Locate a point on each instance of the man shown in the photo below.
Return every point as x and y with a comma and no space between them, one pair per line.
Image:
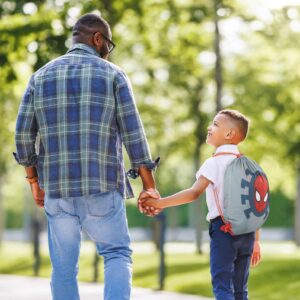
83,109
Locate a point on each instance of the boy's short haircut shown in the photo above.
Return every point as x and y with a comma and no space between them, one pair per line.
240,120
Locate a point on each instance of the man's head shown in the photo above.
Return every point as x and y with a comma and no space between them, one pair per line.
229,127
94,31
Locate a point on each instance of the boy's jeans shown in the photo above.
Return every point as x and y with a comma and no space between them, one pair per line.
103,217
230,258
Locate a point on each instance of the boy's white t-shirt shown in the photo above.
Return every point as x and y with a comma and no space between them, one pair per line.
213,169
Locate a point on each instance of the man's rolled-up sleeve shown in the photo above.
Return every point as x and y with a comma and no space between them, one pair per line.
26,129
130,125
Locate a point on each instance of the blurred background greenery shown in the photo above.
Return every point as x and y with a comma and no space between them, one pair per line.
186,60
168,48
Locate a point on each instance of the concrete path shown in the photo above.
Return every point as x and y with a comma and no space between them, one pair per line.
31,288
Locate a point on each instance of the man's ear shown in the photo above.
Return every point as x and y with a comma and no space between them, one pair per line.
97,40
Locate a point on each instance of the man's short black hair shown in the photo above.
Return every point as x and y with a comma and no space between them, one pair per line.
90,22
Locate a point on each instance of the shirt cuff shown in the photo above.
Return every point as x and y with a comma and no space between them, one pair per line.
31,162
133,172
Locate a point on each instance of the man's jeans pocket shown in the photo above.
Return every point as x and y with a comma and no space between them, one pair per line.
101,205
52,207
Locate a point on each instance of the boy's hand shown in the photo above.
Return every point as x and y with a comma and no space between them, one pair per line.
151,203
256,254
38,194
146,209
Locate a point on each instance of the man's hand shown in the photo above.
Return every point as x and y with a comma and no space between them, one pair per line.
152,203
38,194
148,210
256,255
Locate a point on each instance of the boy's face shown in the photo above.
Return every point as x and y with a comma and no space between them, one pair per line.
220,131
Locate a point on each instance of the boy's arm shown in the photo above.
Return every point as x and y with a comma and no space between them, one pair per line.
185,196
256,254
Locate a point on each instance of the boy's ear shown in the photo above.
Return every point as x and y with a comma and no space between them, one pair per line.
231,134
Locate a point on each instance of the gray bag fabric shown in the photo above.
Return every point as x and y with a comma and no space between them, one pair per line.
246,196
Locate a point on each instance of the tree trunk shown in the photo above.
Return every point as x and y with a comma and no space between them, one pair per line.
218,65
297,208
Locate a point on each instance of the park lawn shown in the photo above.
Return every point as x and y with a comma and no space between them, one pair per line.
276,278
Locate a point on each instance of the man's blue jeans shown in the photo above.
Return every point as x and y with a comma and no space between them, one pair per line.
103,217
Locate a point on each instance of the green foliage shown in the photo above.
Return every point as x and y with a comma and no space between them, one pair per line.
164,50
135,218
13,219
265,87
175,217
281,211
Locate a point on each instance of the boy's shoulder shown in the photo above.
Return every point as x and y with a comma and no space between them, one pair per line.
210,162
214,160
208,169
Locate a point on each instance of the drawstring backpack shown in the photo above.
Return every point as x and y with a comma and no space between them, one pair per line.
246,196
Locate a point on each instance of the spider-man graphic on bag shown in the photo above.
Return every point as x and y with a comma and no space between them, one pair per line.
258,194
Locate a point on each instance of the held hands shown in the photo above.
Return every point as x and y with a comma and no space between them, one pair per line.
256,254
146,202
38,194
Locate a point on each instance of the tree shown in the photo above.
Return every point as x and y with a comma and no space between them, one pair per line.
218,66
264,85
167,51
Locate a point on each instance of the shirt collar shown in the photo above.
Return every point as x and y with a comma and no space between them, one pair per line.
84,47
227,148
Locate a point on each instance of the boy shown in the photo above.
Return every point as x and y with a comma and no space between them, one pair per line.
230,256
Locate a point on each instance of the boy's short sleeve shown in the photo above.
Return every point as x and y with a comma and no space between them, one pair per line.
208,170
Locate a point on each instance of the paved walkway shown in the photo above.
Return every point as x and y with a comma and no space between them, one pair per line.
31,288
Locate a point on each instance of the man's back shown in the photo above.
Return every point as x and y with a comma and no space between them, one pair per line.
83,108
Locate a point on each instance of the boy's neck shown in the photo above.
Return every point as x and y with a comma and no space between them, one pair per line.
228,148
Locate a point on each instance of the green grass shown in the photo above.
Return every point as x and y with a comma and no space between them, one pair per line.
276,278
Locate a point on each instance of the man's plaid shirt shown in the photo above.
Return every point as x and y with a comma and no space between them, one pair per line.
83,109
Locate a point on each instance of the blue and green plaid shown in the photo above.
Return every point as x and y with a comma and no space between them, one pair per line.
82,109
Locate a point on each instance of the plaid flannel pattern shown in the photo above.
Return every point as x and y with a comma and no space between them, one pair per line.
76,113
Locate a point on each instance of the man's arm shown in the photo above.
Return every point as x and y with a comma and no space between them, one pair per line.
149,187
31,173
25,138
132,133
130,125
37,193
26,129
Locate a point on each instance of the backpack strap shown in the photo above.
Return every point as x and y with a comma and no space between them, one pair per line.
227,153
227,225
